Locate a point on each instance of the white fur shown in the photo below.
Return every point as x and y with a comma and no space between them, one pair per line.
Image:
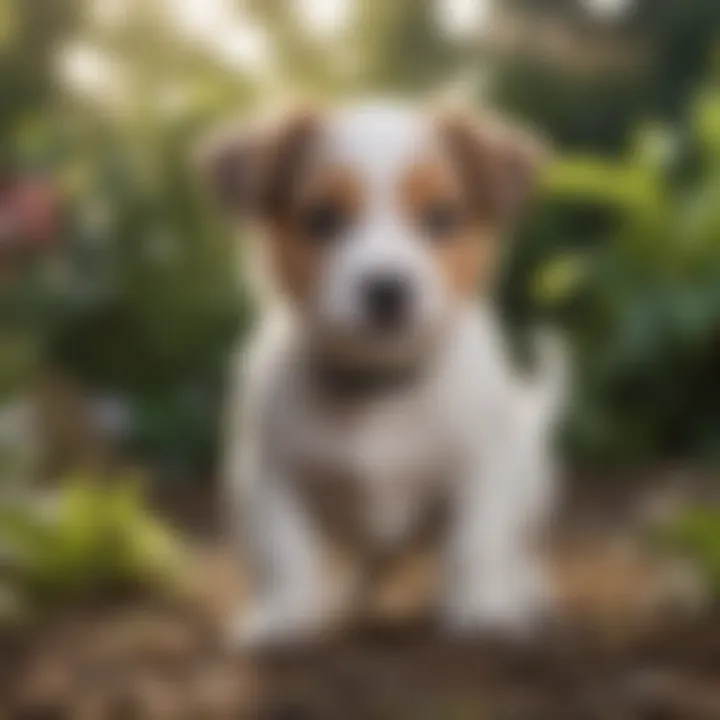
378,142
472,429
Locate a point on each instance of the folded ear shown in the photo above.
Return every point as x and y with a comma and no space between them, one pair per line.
251,170
499,164
228,164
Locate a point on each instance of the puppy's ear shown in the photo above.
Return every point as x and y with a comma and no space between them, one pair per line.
499,165
252,170
228,164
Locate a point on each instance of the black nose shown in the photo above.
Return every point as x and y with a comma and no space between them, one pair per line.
387,300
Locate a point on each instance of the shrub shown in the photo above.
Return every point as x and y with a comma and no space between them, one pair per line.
694,535
637,285
93,540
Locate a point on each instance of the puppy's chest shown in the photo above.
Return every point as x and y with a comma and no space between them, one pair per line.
392,441
374,471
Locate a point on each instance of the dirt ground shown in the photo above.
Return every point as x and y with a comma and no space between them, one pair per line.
632,640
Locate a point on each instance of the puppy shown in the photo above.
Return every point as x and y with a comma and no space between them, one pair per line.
376,372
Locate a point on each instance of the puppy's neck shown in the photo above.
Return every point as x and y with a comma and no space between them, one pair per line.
343,382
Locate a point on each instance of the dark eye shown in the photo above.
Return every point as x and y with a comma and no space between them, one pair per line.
323,221
442,219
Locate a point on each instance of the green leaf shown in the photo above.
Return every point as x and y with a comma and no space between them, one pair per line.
696,535
559,278
706,121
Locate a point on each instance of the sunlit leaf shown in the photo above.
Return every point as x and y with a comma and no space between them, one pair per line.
558,279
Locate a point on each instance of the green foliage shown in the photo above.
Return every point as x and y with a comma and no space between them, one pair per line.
140,298
92,540
577,112
642,300
597,111
694,535
403,47
31,31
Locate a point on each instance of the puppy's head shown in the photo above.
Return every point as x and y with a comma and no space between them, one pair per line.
380,221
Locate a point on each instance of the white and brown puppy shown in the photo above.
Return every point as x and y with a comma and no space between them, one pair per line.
375,367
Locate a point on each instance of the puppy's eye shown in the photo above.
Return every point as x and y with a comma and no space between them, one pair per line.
442,219
323,221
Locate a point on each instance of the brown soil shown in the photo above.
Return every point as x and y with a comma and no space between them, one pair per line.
627,649
148,662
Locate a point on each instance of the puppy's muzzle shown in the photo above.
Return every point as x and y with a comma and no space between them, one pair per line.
387,301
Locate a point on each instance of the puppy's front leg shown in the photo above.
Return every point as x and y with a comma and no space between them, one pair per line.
493,580
285,567
278,545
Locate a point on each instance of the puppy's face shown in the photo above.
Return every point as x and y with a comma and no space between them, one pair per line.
381,221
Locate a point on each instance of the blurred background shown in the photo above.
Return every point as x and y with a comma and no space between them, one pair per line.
118,284
119,300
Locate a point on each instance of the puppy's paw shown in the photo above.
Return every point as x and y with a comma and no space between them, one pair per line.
487,613
271,625
515,612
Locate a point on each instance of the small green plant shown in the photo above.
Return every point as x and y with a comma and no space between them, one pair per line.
95,539
695,535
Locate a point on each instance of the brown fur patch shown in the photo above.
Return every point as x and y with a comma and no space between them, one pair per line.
468,264
288,156
428,183
335,184
466,255
498,164
252,170
297,257
269,174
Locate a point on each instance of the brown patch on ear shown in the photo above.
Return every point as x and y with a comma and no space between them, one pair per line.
228,163
499,165
287,156
253,170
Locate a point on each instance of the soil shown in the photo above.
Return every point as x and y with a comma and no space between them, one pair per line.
626,646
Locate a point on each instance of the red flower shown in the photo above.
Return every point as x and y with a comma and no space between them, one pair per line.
29,215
